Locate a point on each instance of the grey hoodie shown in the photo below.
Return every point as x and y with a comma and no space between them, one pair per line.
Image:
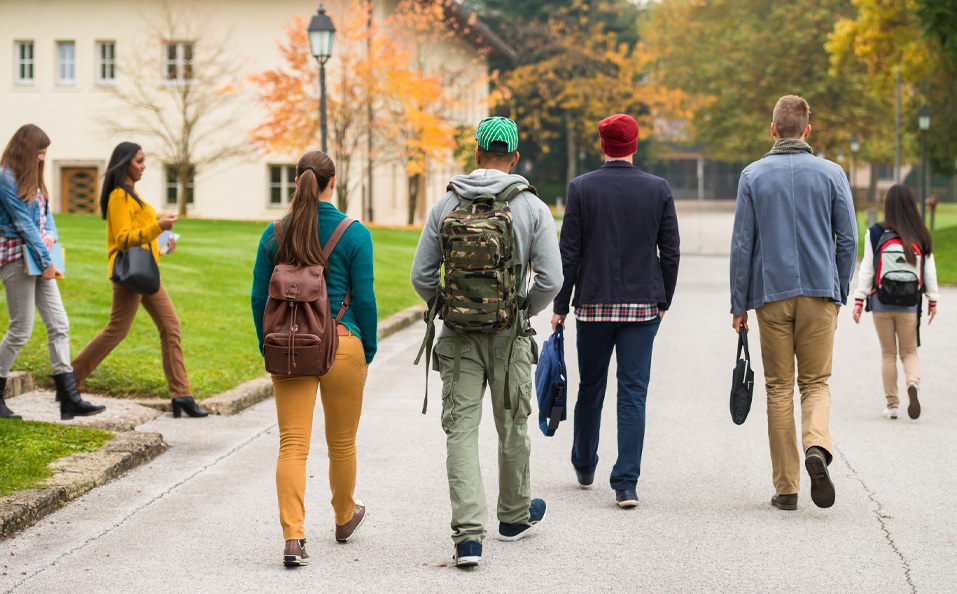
536,240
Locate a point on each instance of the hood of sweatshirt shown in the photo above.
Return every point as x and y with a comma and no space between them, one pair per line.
484,181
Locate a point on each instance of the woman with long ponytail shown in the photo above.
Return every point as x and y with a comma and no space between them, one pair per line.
308,225
132,221
26,226
897,326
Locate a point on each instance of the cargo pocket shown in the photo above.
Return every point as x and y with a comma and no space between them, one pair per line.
522,401
448,408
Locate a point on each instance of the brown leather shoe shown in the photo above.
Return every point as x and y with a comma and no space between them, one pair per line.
295,554
345,531
786,502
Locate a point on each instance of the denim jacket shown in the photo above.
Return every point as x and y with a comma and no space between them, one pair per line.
19,219
795,232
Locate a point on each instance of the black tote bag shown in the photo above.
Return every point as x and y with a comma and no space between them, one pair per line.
135,268
742,382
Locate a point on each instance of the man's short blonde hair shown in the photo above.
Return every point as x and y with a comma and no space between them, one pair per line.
791,116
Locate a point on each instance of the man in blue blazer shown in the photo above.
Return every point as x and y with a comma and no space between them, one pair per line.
619,249
793,251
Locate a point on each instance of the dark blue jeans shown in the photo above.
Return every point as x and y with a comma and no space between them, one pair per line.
632,343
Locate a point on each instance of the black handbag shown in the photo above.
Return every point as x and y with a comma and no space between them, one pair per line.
742,383
134,268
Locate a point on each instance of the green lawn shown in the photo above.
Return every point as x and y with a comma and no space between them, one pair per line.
27,447
944,236
208,278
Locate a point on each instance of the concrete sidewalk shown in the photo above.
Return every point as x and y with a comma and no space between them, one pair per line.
203,516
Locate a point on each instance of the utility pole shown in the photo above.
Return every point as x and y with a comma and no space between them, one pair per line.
897,141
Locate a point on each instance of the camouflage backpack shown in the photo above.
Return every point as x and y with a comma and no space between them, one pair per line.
482,275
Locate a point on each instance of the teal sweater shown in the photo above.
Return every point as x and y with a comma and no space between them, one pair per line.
349,264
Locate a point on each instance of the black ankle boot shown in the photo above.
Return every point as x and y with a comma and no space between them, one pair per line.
71,405
5,413
186,403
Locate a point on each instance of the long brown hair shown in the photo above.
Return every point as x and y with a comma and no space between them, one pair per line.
21,157
300,241
900,214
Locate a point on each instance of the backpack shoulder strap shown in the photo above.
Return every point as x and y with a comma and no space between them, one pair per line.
336,236
327,250
277,230
514,190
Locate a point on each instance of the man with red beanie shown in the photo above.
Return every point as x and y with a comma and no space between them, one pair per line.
619,247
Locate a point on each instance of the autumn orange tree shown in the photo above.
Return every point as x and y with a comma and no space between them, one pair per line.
361,81
422,129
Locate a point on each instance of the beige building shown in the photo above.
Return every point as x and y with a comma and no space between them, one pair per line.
61,62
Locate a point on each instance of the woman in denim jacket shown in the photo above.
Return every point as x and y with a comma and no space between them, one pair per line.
26,223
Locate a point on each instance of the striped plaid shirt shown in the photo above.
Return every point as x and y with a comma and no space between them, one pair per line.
616,312
11,248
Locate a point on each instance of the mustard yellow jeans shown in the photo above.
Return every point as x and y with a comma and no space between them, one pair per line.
341,392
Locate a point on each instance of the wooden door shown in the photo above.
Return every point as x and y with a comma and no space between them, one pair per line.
79,190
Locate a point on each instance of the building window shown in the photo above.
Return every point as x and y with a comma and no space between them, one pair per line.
172,186
106,62
179,61
65,63
282,184
24,62
884,171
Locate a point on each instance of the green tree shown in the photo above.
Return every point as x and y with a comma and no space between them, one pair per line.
735,58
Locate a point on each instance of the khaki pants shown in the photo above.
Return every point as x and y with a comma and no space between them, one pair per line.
801,327
461,416
341,392
897,332
125,305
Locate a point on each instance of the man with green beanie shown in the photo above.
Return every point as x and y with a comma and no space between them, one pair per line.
468,360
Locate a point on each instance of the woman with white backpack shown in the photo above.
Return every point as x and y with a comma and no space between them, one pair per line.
897,268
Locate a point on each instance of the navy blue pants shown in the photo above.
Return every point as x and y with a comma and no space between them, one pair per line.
632,343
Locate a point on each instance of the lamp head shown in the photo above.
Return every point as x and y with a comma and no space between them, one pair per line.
923,118
321,35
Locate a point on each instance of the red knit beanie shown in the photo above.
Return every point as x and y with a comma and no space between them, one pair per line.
619,135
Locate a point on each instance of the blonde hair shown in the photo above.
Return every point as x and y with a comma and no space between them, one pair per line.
791,116
22,158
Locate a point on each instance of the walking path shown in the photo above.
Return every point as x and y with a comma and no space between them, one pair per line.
203,516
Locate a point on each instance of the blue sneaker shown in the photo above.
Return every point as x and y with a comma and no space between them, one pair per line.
536,513
467,553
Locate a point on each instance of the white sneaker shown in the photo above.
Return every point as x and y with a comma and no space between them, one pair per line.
890,412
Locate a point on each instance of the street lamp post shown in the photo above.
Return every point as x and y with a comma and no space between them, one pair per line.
923,121
855,146
321,35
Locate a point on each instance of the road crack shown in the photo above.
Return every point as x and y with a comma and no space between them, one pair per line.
882,519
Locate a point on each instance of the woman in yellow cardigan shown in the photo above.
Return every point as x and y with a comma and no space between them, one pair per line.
129,218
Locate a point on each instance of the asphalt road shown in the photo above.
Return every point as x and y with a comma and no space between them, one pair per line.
203,516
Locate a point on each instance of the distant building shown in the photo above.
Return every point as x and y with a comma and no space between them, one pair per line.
58,59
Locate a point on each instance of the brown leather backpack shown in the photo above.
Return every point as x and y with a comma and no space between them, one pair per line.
300,334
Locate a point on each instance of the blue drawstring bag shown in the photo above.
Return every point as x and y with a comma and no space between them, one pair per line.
550,383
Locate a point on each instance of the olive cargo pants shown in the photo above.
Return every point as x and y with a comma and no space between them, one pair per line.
462,395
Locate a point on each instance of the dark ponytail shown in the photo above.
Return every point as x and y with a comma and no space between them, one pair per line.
116,174
900,214
300,243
